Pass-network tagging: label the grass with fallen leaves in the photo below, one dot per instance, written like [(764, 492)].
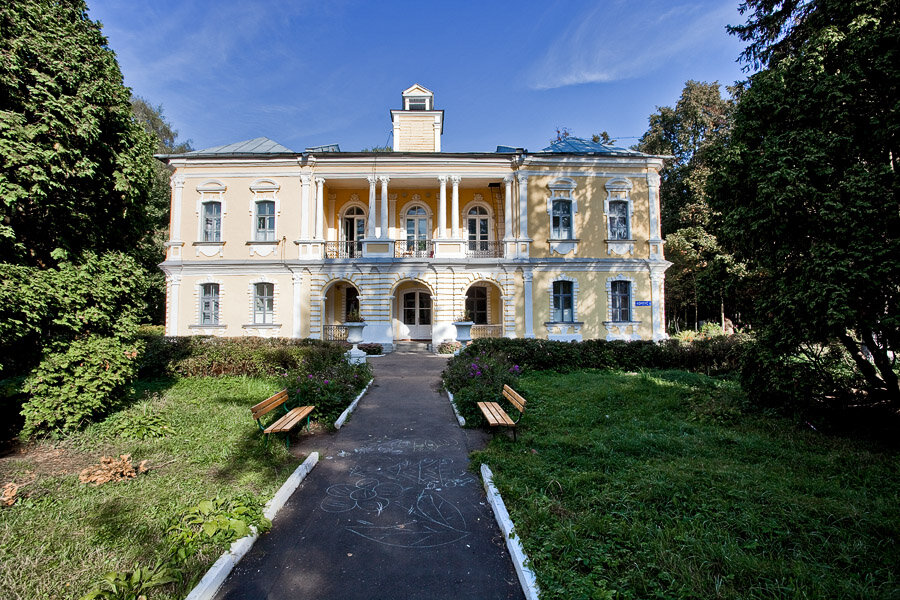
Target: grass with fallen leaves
[(61, 535)]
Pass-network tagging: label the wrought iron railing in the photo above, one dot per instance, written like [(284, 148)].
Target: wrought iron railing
[(343, 249), (487, 331), (413, 249), (484, 249), (334, 333)]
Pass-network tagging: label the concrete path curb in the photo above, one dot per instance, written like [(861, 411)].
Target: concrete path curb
[(217, 574), (526, 575), (459, 418), (341, 419)]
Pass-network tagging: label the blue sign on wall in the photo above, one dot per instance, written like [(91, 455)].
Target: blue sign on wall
[(642, 303)]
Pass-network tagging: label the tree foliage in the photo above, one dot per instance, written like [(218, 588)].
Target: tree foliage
[(76, 167), (704, 277), (808, 183)]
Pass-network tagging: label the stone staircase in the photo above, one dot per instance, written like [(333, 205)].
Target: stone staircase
[(409, 347)]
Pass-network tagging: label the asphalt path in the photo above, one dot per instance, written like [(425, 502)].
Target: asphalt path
[(391, 511)]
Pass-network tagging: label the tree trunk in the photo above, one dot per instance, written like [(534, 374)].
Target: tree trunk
[(871, 375), (722, 311), (884, 366)]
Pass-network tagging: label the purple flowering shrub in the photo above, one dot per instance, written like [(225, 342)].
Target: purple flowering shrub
[(329, 386), (478, 376)]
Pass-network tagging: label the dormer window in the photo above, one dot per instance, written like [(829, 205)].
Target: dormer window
[(421, 103)]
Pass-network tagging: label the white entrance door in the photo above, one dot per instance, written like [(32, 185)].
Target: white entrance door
[(415, 315)]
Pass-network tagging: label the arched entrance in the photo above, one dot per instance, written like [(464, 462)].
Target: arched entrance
[(340, 298), (484, 303), (413, 312)]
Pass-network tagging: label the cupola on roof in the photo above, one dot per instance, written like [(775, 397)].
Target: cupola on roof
[(417, 125)]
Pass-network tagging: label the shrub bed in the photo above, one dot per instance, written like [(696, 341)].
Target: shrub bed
[(198, 356), (330, 388), (715, 355), (478, 377)]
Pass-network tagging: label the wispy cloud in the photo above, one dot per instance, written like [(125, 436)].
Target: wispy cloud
[(622, 40)]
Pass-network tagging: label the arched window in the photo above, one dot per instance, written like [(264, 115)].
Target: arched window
[(354, 230), (478, 228), (416, 229)]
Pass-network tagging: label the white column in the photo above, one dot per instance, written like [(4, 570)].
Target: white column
[(371, 179), (653, 189), (177, 182), (529, 308), (442, 208), (384, 206), (320, 208), (305, 212), (523, 206), (657, 300), (655, 226), (174, 293), (298, 295), (507, 209), (454, 207)]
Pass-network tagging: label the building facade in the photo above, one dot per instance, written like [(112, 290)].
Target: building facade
[(561, 244)]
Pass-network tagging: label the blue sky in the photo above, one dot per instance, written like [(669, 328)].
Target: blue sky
[(306, 73)]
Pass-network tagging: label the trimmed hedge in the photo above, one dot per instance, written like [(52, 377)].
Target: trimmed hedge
[(199, 356), (717, 355)]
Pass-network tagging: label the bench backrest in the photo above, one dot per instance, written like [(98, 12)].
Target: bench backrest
[(269, 404), (514, 398)]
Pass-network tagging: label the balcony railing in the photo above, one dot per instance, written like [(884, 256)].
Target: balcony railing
[(343, 249), (487, 331), (413, 249), (334, 333), (484, 249)]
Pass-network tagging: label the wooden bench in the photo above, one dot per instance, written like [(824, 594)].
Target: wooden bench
[(286, 422), (497, 417)]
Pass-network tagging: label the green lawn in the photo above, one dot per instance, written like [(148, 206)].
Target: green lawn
[(660, 485), (62, 535)]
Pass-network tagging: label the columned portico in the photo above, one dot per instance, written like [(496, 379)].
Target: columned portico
[(370, 233), (384, 206), (454, 215), (304, 206), (442, 208), (320, 208)]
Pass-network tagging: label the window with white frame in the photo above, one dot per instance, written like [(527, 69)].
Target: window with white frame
[(563, 309), (265, 221), (478, 229), (620, 301), (618, 220), (212, 221), (618, 209), (561, 227), (264, 303), (561, 207), (209, 304)]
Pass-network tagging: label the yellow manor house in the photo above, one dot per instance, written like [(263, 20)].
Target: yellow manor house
[(561, 244)]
